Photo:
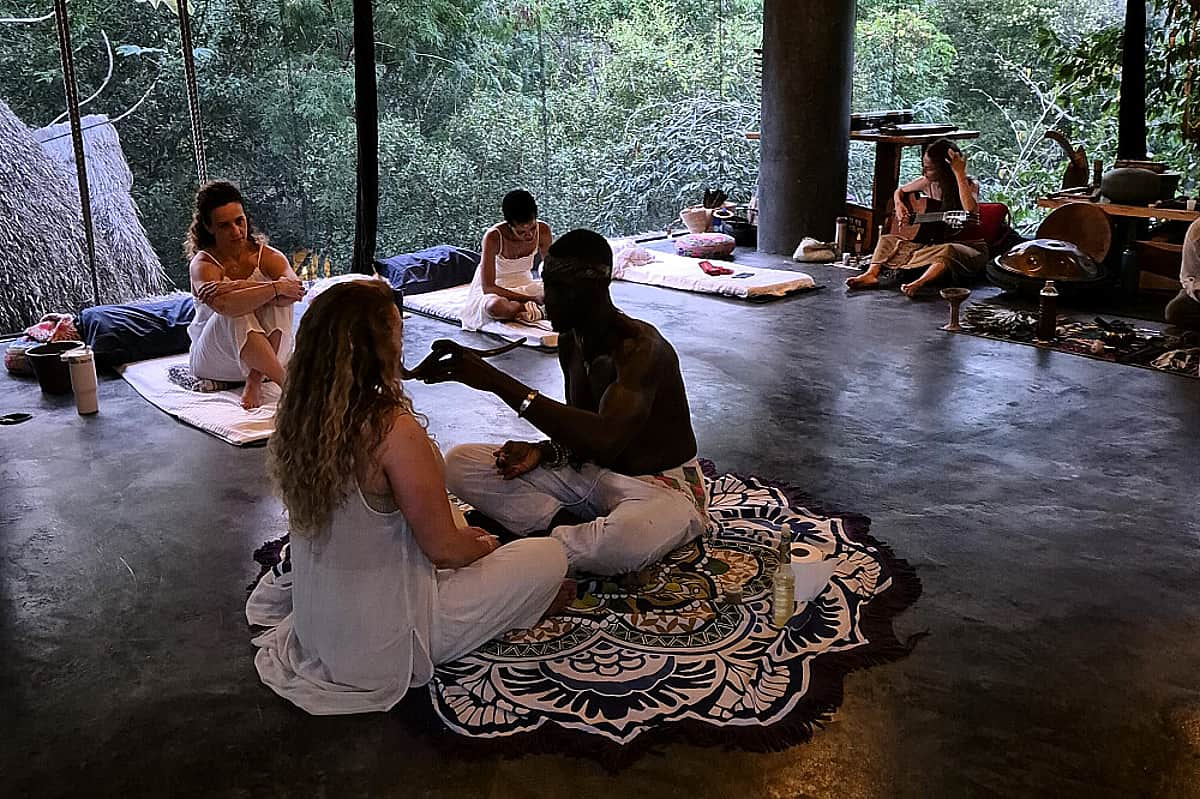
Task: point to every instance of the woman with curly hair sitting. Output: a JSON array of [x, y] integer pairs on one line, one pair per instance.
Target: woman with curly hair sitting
[[382, 582], [244, 293]]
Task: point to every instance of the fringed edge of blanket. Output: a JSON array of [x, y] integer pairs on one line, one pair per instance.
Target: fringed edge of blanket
[[813, 712]]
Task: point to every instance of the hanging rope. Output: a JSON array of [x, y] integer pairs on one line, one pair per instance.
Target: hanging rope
[[366, 123], [72, 95], [25, 20], [721, 128], [193, 97], [114, 120], [1191, 105], [545, 109]]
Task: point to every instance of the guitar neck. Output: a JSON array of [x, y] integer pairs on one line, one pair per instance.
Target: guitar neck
[[939, 216]]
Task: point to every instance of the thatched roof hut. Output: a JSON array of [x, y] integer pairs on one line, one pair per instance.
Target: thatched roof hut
[[43, 253], [114, 213]]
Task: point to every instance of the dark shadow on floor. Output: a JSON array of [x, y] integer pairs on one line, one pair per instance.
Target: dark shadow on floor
[[1047, 501]]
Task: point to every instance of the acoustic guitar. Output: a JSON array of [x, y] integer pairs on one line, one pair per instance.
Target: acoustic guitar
[[918, 216]]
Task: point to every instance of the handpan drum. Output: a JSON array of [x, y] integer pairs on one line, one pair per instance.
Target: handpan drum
[[1051, 259], [1070, 249]]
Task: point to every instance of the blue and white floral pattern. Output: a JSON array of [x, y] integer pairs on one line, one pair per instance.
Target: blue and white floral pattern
[[667, 645]]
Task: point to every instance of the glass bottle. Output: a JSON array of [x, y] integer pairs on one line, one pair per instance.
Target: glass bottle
[[783, 583], [1048, 312]]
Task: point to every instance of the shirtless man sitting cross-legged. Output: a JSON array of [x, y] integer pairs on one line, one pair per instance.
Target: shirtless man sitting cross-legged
[[617, 483]]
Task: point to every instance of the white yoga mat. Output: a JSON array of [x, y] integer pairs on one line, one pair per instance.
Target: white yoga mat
[[746, 282], [219, 413], [447, 305]]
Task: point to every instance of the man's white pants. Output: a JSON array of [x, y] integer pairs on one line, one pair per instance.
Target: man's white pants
[[629, 523]]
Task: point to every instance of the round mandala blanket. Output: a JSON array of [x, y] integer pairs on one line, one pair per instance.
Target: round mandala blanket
[[667, 647]]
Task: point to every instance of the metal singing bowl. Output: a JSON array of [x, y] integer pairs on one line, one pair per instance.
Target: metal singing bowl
[[434, 357]]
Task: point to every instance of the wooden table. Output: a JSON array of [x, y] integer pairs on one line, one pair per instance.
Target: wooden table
[[888, 148], [1127, 211]]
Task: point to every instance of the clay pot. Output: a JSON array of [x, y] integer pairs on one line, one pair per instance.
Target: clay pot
[[1131, 186]]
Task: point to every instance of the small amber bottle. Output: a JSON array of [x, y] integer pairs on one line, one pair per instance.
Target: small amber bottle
[[1048, 313]]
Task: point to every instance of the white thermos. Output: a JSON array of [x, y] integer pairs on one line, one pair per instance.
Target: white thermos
[[82, 364]]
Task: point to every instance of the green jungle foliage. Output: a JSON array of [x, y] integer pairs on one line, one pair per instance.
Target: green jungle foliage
[[615, 113]]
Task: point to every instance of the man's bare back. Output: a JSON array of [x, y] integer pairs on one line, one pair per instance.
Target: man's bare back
[[666, 438]]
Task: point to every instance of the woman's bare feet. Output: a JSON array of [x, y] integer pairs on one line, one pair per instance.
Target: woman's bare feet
[[531, 313], [252, 394], [935, 270], [867, 280], [563, 599]]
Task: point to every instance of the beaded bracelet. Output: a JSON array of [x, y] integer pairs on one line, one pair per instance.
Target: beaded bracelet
[[559, 455]]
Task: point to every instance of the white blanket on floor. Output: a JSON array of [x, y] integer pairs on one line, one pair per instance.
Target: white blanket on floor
[[219, 413], [447, 305], [680, 272]]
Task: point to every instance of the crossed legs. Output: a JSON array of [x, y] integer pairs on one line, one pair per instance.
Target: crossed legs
[[502, 308], [261, 354]]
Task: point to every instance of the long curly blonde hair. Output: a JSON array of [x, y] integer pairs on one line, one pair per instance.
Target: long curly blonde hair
[[341, 392]]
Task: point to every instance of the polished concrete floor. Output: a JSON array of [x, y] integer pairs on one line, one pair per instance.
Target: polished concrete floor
[[1048, 502]]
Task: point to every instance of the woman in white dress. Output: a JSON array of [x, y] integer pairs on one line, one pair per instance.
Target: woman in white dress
[[384, 581], [504, 287], [244, 295]]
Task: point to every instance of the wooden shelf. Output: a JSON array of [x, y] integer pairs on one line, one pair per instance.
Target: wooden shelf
[[911, 139], [906, 139], [1134, 211], [1159, 258]]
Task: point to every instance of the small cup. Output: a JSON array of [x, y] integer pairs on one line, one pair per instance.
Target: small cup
[[733, 595]]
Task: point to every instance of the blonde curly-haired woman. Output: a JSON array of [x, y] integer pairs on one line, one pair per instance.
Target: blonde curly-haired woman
[[383, 584]]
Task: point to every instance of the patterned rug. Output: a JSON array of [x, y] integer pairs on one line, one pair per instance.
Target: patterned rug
[[667, 652], [1112, 340]]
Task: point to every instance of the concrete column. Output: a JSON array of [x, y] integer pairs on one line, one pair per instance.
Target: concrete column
[[808, 52], [1131, 117]]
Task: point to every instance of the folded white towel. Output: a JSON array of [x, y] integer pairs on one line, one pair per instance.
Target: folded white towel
[[813, 251]]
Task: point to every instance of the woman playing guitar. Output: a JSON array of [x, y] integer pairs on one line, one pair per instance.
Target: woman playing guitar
[[957, 253]]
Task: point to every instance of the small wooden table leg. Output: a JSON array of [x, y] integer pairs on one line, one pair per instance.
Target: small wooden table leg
[[887, 179]]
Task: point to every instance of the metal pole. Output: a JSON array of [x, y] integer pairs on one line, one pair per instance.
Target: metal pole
[[72, 94], [545, 109], [366, 116]]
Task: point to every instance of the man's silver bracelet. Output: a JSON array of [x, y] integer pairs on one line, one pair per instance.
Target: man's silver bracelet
[[525, 403]]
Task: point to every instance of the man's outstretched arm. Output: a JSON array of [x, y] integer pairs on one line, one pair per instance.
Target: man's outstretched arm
[[596, 436]]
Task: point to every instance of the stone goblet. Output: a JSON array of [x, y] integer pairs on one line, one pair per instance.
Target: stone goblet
[[955, 297]]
